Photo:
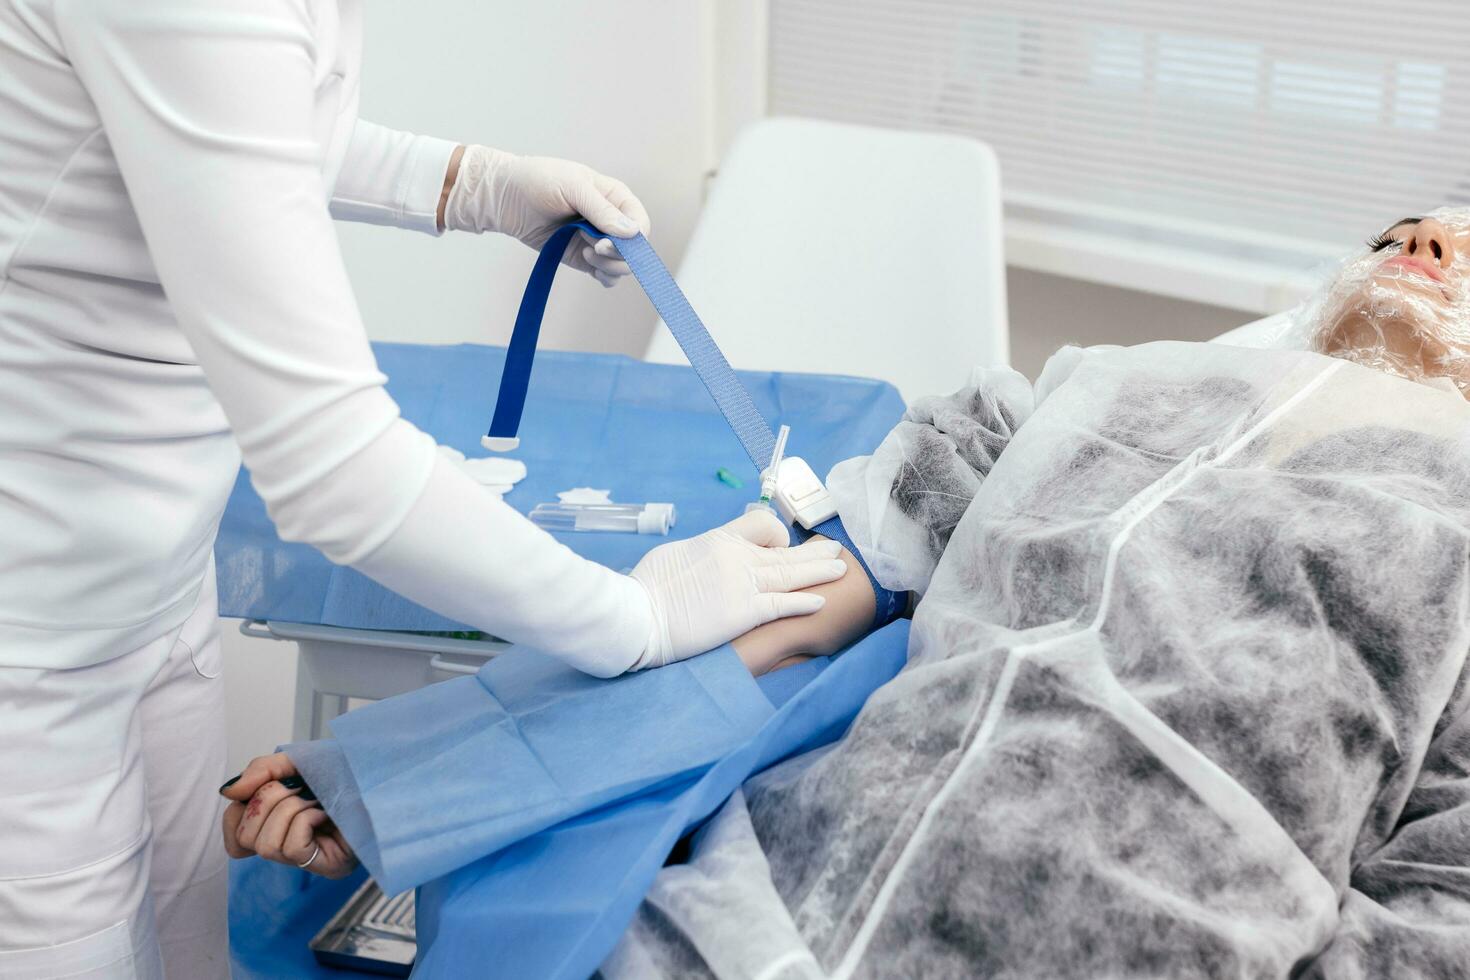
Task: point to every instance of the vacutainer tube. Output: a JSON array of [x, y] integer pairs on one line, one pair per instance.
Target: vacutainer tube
[[625, 518]]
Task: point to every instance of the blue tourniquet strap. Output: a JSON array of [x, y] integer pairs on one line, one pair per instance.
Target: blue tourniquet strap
[[521, 354], [734, 402]]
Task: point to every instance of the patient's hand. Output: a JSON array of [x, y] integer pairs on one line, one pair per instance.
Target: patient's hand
[[273, 815], [847, 615]]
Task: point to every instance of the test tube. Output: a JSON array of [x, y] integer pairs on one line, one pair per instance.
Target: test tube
[[625, 518]]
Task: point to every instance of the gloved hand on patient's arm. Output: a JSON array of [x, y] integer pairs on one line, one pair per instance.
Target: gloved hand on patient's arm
[[273, 814], [724, 583], [528, 198], [845, 617]]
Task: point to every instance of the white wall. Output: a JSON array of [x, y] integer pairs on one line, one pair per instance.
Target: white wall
[[260, 684], [1048, 311], [624, 87]]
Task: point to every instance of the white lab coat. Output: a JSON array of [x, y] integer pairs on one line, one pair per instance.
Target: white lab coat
[[172, 297], [172, 289]]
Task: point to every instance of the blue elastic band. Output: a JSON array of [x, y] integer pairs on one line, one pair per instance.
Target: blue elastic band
[[730, 396]]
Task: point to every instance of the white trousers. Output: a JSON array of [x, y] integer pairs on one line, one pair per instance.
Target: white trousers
[[111, 864]]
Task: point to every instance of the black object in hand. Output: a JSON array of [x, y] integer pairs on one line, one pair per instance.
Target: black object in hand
[[296, 782]]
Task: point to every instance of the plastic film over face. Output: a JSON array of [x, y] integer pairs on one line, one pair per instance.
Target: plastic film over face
[[1402, 306]]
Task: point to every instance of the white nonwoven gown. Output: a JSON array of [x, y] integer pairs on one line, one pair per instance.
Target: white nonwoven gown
[[1186, 694]]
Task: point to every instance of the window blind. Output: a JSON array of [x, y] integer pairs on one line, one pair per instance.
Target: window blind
[[1270, 121]]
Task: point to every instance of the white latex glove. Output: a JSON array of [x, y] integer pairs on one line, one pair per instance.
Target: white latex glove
[[530, 197], [708, 590]]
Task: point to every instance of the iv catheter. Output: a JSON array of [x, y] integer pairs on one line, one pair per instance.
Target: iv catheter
[[768, 475], [768, 478]]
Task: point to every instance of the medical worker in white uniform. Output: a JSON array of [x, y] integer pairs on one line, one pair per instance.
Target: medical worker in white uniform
[[173, 299]]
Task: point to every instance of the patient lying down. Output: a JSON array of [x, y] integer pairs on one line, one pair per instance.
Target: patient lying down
[[1398, 307], [1187, 690]]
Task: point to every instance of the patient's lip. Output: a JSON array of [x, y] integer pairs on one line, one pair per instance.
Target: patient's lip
[[1422, 266]]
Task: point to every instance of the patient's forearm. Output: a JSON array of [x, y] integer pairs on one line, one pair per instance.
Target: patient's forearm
[[847, 615]]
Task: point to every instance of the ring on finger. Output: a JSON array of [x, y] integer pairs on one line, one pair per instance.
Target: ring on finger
[[316, 853]]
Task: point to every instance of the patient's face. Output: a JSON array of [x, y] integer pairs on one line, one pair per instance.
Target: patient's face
[[1402, 306]]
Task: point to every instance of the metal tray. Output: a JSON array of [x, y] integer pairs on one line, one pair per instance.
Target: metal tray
[[372, 933]]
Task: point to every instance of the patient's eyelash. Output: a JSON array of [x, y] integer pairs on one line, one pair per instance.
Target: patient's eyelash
[[1381, 241]]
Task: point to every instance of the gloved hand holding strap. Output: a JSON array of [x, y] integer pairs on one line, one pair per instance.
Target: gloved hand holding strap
[[730, 396]]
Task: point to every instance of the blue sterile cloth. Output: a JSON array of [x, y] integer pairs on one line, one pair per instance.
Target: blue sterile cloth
[[275, 911], [647, 432], [551, 902], [554, 904], [455, 771]]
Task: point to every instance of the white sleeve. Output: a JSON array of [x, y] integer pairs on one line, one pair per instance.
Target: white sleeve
[[208, 105], [390, 177]]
